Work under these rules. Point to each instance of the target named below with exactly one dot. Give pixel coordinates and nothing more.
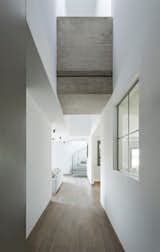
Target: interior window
(128, 132)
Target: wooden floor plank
(74, 222)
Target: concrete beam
(84, 85)
(83, 104)
(84, 63)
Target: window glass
(123, 153)
(134, 152)
(128, 132)
(123, 117)
(134, 109)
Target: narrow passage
(74, 222)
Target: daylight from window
(128, 132)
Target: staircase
(79, 163)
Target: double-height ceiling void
(84, 63)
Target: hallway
(74, 222)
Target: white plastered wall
(93, 170)
(134, 206)
(38, 193)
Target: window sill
(130, 175)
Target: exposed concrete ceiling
(83, 103)
(84, 44)
(84, 63)
(84, 85)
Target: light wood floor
(74, 222)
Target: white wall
(81, 7)
(43, 107)
(62, 154)
(38, 163)
(42, 110)
(12, 125)
(134, 206)
(88, 8)
(60, 8)
(39, 85)
(103, 8)
(93, 170)
(90, 160)
(41, 18)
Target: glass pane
(123, 153)
(134, 153)
(134, 109)
(123, 118)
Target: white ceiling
(80, 125)
(77, 127)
